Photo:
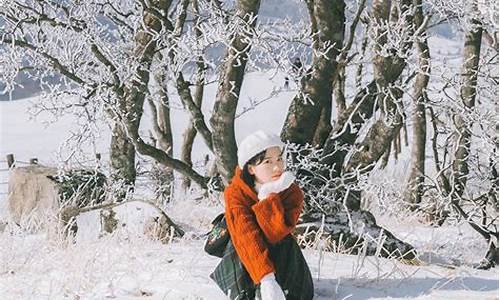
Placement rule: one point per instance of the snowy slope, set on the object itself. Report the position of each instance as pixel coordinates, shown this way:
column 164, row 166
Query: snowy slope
column 130, row 267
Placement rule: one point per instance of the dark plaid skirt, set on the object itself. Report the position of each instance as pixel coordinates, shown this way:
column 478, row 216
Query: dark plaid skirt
column 292, row 273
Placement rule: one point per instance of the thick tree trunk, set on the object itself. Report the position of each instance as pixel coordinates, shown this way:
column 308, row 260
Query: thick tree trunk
column 132, row 100
column 386, row 71
column 164, row 176
column 304, row 114
column 376, row 143
column 355, row 233
column 325, row 122
column 346, row 202
column 413, row 193
column 324, row 125
column 339, row 92
column 122, row 158
column 230, row 81
column 346, row 129
column 130, row 108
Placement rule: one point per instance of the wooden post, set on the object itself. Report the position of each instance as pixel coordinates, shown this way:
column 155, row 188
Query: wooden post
column 34, row 161
column 98, row 160
column 10, row 160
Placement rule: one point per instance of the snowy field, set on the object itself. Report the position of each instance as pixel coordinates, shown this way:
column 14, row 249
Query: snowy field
column 127, row 265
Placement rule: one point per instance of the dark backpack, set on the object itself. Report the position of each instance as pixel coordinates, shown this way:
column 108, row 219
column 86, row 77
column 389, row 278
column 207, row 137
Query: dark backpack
column 218, row 237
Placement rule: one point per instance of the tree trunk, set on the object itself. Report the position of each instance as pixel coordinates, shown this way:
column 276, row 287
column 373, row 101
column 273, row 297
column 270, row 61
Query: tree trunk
column 325, row 122
column 132, row 100
column 187, row 148
column 346, row 129
column 386, row 71
column 472, row 50
column 375, row 144
column 304, row 114
column 122, row 158
column 346, row 199
column 324, row 125
column 371, row 240
column 339, row 92
column 190, row 133
column 413, row 193
column 135, row 92
column 230, row 81
column 468, row 89
column 164, row 176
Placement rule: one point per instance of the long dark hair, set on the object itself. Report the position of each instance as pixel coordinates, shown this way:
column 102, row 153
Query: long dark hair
column 248, row 178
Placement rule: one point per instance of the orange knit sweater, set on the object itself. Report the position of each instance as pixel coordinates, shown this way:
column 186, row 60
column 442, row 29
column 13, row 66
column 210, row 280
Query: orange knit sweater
column 253, row 224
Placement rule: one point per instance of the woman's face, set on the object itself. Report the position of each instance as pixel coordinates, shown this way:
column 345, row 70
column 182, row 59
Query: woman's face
column 270, row 168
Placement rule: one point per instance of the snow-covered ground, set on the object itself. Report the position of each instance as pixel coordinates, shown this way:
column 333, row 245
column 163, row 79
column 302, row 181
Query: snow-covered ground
column 127, row 265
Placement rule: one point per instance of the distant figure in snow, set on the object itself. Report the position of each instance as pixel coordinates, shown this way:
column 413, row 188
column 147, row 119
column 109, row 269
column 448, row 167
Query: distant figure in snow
column 262, row 260
column 297, row 70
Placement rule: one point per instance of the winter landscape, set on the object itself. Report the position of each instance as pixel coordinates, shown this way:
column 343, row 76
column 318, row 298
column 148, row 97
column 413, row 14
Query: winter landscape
column 111, row 88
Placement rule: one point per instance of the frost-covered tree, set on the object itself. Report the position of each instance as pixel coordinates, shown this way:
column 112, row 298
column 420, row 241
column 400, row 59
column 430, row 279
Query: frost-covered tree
column 103, row 55
column 332, row 175
column 466, row 114
column 366, row 70
column 369, row 125
column 108, row 59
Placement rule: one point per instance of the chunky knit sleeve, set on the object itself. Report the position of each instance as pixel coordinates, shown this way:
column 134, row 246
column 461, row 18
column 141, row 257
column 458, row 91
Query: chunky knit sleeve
column 277, row 215
column 246, row 236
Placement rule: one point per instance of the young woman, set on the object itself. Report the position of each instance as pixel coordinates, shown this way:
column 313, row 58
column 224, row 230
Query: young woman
column 262, row 206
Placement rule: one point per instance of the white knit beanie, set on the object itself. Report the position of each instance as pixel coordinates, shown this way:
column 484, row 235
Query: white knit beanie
column 256, row 143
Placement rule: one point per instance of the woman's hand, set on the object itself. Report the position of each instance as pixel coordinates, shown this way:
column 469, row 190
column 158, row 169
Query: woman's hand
column 270, row 289
column 279, row 185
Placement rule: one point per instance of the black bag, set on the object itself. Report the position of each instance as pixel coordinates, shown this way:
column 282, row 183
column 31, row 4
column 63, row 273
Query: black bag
column 292, row 273
column 231, row 276
column 218, row 237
